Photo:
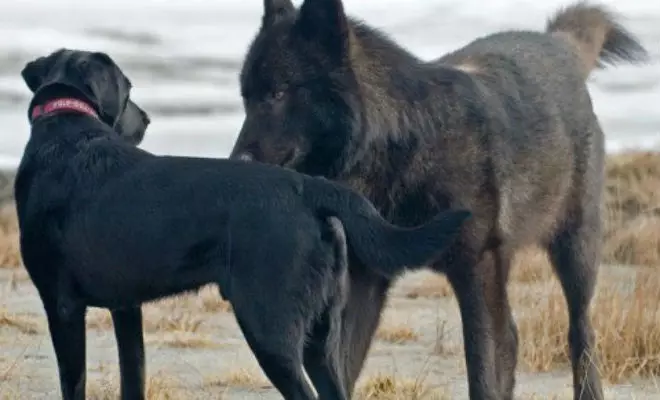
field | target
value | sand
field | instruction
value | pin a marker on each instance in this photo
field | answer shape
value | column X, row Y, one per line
column 218, row 364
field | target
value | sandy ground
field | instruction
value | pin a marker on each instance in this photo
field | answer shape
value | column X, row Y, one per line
column 220, row 365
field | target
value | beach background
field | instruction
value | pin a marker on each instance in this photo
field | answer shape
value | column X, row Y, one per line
column 183, row 57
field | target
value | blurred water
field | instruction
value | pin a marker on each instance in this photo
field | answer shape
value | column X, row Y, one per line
column 183, row 58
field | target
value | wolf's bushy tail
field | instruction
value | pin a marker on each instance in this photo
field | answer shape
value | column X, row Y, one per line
column 597, row 35
column 386, row 248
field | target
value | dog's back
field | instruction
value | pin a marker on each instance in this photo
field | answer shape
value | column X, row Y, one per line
column 531, row 88
column 555, row 63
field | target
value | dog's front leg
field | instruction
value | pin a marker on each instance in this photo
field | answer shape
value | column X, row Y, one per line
column 130, row 342
column 66, row 323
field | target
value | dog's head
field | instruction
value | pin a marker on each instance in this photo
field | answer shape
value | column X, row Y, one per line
column 93, row 77
column 298, row 88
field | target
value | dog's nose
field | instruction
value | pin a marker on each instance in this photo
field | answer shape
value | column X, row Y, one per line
column 243, row 156
column 145, row 117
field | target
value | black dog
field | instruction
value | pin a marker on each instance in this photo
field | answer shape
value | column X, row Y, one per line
column 503, row 127
column 105, row 224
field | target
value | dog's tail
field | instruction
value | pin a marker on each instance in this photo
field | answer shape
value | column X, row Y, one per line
column 597, row 36
column 386, row 248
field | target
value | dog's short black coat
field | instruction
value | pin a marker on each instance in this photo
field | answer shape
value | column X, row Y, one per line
column 503, row 126
column 104, row 223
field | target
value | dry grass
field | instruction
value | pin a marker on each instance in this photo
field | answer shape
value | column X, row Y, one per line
column 10, row 256
column 23, row 323
column 155, row 319
column 387, row 387
column 181, row 313
column 159, row 387
column 635, row 242
column 531, row 266
column 396, row 333
column 239, row 378
column 632, row 209
column 626, row 321
column 182, row 340
column 433, row 287
column 175, row 322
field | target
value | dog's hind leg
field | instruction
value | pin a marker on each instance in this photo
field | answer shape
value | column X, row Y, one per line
column 130, row 343
column 322, row 358
column 472, row 278
column 279, row 353
column 504, row 326
column 575, row 254
column 66, row 323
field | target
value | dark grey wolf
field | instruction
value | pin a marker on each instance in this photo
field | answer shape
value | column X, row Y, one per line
column 106, row 224
column 503, row 127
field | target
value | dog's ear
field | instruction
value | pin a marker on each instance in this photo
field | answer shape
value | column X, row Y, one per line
column 326, row 22
column 274, row 10
column 34, row 73
column 133, row 123
column 110, row 87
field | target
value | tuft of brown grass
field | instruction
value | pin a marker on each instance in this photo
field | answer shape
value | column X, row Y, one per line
column 543, row 331
column 240, row 378
column 182, row 340
column 531, row 265
column 632, row 209
column 433, row 287
column 167, row 323
column 159, row 319
column 10, row 255
column 24, row 323
column 98, row 319
column 387, row 387
column 172, row 314
column 209, row 300
column 159, row 387
column 396, row 333
column 635, row 242
column 626, row 321
column 172, row 322
column 155, row 319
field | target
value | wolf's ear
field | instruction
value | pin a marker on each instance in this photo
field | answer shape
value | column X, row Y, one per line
column 34, row 73
column 274, row 10
column 326, row 22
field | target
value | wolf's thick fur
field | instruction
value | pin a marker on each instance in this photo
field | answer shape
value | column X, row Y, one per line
column 503, row 126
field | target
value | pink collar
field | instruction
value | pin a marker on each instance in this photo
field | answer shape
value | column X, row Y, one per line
column 63, row 104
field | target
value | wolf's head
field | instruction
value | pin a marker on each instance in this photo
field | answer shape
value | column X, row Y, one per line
column 299, row 90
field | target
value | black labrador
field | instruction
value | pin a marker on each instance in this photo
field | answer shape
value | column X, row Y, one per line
column 106, row 224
